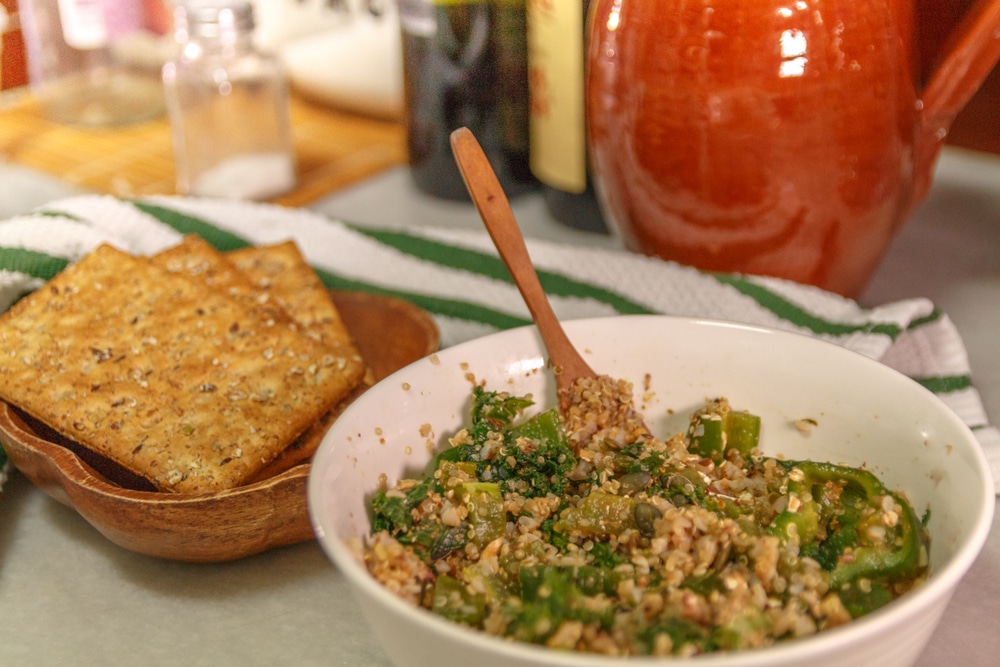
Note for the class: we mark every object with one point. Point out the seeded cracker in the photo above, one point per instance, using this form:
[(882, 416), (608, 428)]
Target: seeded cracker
[(190, 388), (281, 271), (278, 279), (195, 258)]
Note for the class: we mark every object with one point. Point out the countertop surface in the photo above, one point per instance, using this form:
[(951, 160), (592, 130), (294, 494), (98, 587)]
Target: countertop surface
[(68, 596)]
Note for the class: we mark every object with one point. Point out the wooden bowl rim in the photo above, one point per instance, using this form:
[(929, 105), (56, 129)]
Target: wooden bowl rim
[(75, 470)]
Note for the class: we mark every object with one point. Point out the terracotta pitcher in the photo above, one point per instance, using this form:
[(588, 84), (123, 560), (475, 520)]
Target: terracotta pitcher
[(789, 138)]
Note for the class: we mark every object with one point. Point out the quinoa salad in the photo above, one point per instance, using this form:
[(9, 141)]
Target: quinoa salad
[(581, 530)]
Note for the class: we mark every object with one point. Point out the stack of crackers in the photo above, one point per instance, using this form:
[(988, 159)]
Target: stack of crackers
[(196, 370)]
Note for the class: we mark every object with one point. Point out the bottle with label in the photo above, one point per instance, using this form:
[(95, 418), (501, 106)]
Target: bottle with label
[(465, 64), (558, 132), (95, 63), (228, 105)]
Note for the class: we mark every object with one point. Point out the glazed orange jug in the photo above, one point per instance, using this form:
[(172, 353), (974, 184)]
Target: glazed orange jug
[(788, 138)]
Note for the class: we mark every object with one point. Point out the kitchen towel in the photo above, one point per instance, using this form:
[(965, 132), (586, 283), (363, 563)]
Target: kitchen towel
[(457, 276)]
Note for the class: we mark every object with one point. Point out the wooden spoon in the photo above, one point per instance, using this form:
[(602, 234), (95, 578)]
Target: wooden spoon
[(494, 208)]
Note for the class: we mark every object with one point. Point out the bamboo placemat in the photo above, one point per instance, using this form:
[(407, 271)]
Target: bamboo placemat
[(333, 149)]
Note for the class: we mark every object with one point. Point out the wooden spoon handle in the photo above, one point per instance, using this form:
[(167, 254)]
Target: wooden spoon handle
[(494, 208)]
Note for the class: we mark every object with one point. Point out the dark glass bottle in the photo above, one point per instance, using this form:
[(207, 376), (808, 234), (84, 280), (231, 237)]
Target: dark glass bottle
[(557, 127), (575, 209), (465, 64)]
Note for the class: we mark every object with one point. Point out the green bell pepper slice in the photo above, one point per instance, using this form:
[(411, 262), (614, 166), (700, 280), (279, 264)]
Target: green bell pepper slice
[(599, 513), (884, 562), (453, 600), (899, 556), (543, 427), (487, 516), (713, 434)]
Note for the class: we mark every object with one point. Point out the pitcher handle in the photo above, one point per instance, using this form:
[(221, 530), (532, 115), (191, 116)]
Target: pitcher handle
[(970, 54)]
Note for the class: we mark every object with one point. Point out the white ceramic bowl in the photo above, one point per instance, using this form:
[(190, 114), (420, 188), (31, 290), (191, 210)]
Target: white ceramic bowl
[(867, 414)]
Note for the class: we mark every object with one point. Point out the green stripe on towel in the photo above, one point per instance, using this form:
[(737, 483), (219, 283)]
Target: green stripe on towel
[(935, 315), (31, 262), (222, 240), (461, 310), (491, 266), (788, 311), (945, 384)]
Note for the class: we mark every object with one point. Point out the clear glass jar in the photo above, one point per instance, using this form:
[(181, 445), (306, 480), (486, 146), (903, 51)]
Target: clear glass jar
[(228, 106), (96, 64)]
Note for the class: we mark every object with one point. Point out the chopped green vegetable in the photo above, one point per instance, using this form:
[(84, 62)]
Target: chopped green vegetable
[(716, 430), (604, 556), (864, 530), (681, 633), (743, 630), (453, 600), (493, 411), (600, 514), (863, 597), (487, 516), (534, 459), (392, 512), (897, 556), (553, 595)]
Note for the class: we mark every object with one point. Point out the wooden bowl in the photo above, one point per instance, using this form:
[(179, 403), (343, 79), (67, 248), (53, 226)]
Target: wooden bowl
[(208, 527)]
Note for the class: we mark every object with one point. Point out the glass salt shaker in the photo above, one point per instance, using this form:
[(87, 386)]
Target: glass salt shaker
[(228, 106)]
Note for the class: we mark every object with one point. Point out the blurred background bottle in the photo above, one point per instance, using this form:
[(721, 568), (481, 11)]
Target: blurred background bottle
[(228, 104), (558, 134), (465, 64), (96, 62)]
